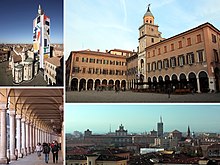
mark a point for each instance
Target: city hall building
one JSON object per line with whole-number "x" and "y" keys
{"x": 186, "y": 61}
{"x": 189, "y": 60}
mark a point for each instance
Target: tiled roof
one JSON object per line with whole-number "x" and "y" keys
{"x": 98, "y": 53}
{"x": 16, "y": 57}
{"x": 54, "y": 60}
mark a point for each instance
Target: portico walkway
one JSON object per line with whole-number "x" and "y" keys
{"x": 34, "y": 160}
{"x": 29, "y": 116}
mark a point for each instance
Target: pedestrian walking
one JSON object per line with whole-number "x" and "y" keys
{"x": 55, "y": 150}
{"x": 169, "y": 92}
{"x": 39, "y": 150}
{"x": 46, "y": 151}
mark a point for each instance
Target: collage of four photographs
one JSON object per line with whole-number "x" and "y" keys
{"x": 109, "y": 82}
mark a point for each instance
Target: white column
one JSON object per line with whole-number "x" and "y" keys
{"x": 86, "y": 85}
{"x": 31, "y": 137}
{"x": 46, "y": 140}
{"x": 212, "y": 84}
{"x": 38, "y": 140}
{"x": 3, "y": 152}
{"x": 18, "y": 127}
{"x": 198, "y": 86}
{"x": 39, "y": 133}
{"x": 23, "y": 134}
{"x": 12, "y": 135}
{"x": 45, "y": 136}
{"x": 78, "y": 85}
{"x": 35, "y": 136}
{"x": 39, "y": 136}
{"x": 48, "y": 137}
{"x": 43, "y": 140}
{"x": 27, "y": 124}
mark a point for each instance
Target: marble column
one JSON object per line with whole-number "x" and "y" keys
{"x": 34, "y": 139}
{"x": 35, "y": 136}
{"x": 23, "y": 134}
{"x": 3, "y": 151}
{"x": 12, "y": 135}
{"x": 86, "y": 85}
{"x": 40, "y": 134}
{"x": 27, "y": 124}
{"x": 18, "y": 127}
{"x": 198, "y": 86}
{"x": 31, "y": 137}
{"x": 48, "y": 137}
{"x": 78, "y": 86}
{"x": 37, "y": 133}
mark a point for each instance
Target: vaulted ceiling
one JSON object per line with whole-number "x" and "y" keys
{"x": 42, "y": 106}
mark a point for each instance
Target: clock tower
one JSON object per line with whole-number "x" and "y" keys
{"x": 148, "y": 35}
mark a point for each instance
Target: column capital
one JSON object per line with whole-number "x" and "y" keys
{"x": 18, "y": 116}
{"x": 23, "y": 120}
{"x": 3, "y": 106}
{"x": 12, "y": 112}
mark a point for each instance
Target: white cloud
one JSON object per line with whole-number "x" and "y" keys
{"x": 124, "y": 9}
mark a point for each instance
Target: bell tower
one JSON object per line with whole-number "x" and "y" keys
{"x": 148, "y": 32}
{"x": 148, "y": 16}
{"x": 148, "y": 35}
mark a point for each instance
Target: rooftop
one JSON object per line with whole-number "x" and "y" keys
{"x": 100, "y": 157}
{"x": 54, "y": 60}
{"x": 98, "y": 53}
{"x": 16, "y": 57}
{"x": 207, "y": 24}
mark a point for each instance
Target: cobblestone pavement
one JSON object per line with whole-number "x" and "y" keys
{"x": 135, "y": 97}
{"x": 34, "y": 160}
{"x": 7, "y": 80}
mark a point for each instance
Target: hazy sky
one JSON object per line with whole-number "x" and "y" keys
{"x": 102, "y": 24}
{"x": 17, "y": 20}
{"x": 141, "y": 118}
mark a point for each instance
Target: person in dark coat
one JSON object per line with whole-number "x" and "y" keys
{"x": 169, "y": 92}
{"x": 46, "y": 151}
{"x": 55, "y": 150}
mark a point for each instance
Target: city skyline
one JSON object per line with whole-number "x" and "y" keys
{"x": 141, "y": 118}
{"x": 18, "y": 25}
{"x": 114, "y": 24}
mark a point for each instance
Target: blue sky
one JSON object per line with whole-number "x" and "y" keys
{"x": 17, "y": 20}
{"x": 141, "y": 118}
{"x": 102, "y": 24}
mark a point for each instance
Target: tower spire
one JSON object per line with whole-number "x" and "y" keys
{"x": 160, "y": 119}
{"x": 188, "y": 132}
{"x": 148, "y": 7}
{"x": 40, "y": 11}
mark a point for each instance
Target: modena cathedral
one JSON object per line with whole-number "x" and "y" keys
{"x": 189, "y": 60}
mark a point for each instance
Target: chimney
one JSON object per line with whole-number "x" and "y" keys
{"x": 97, "y": 50}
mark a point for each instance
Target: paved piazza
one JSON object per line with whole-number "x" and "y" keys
{"x": 136, "y": 97}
